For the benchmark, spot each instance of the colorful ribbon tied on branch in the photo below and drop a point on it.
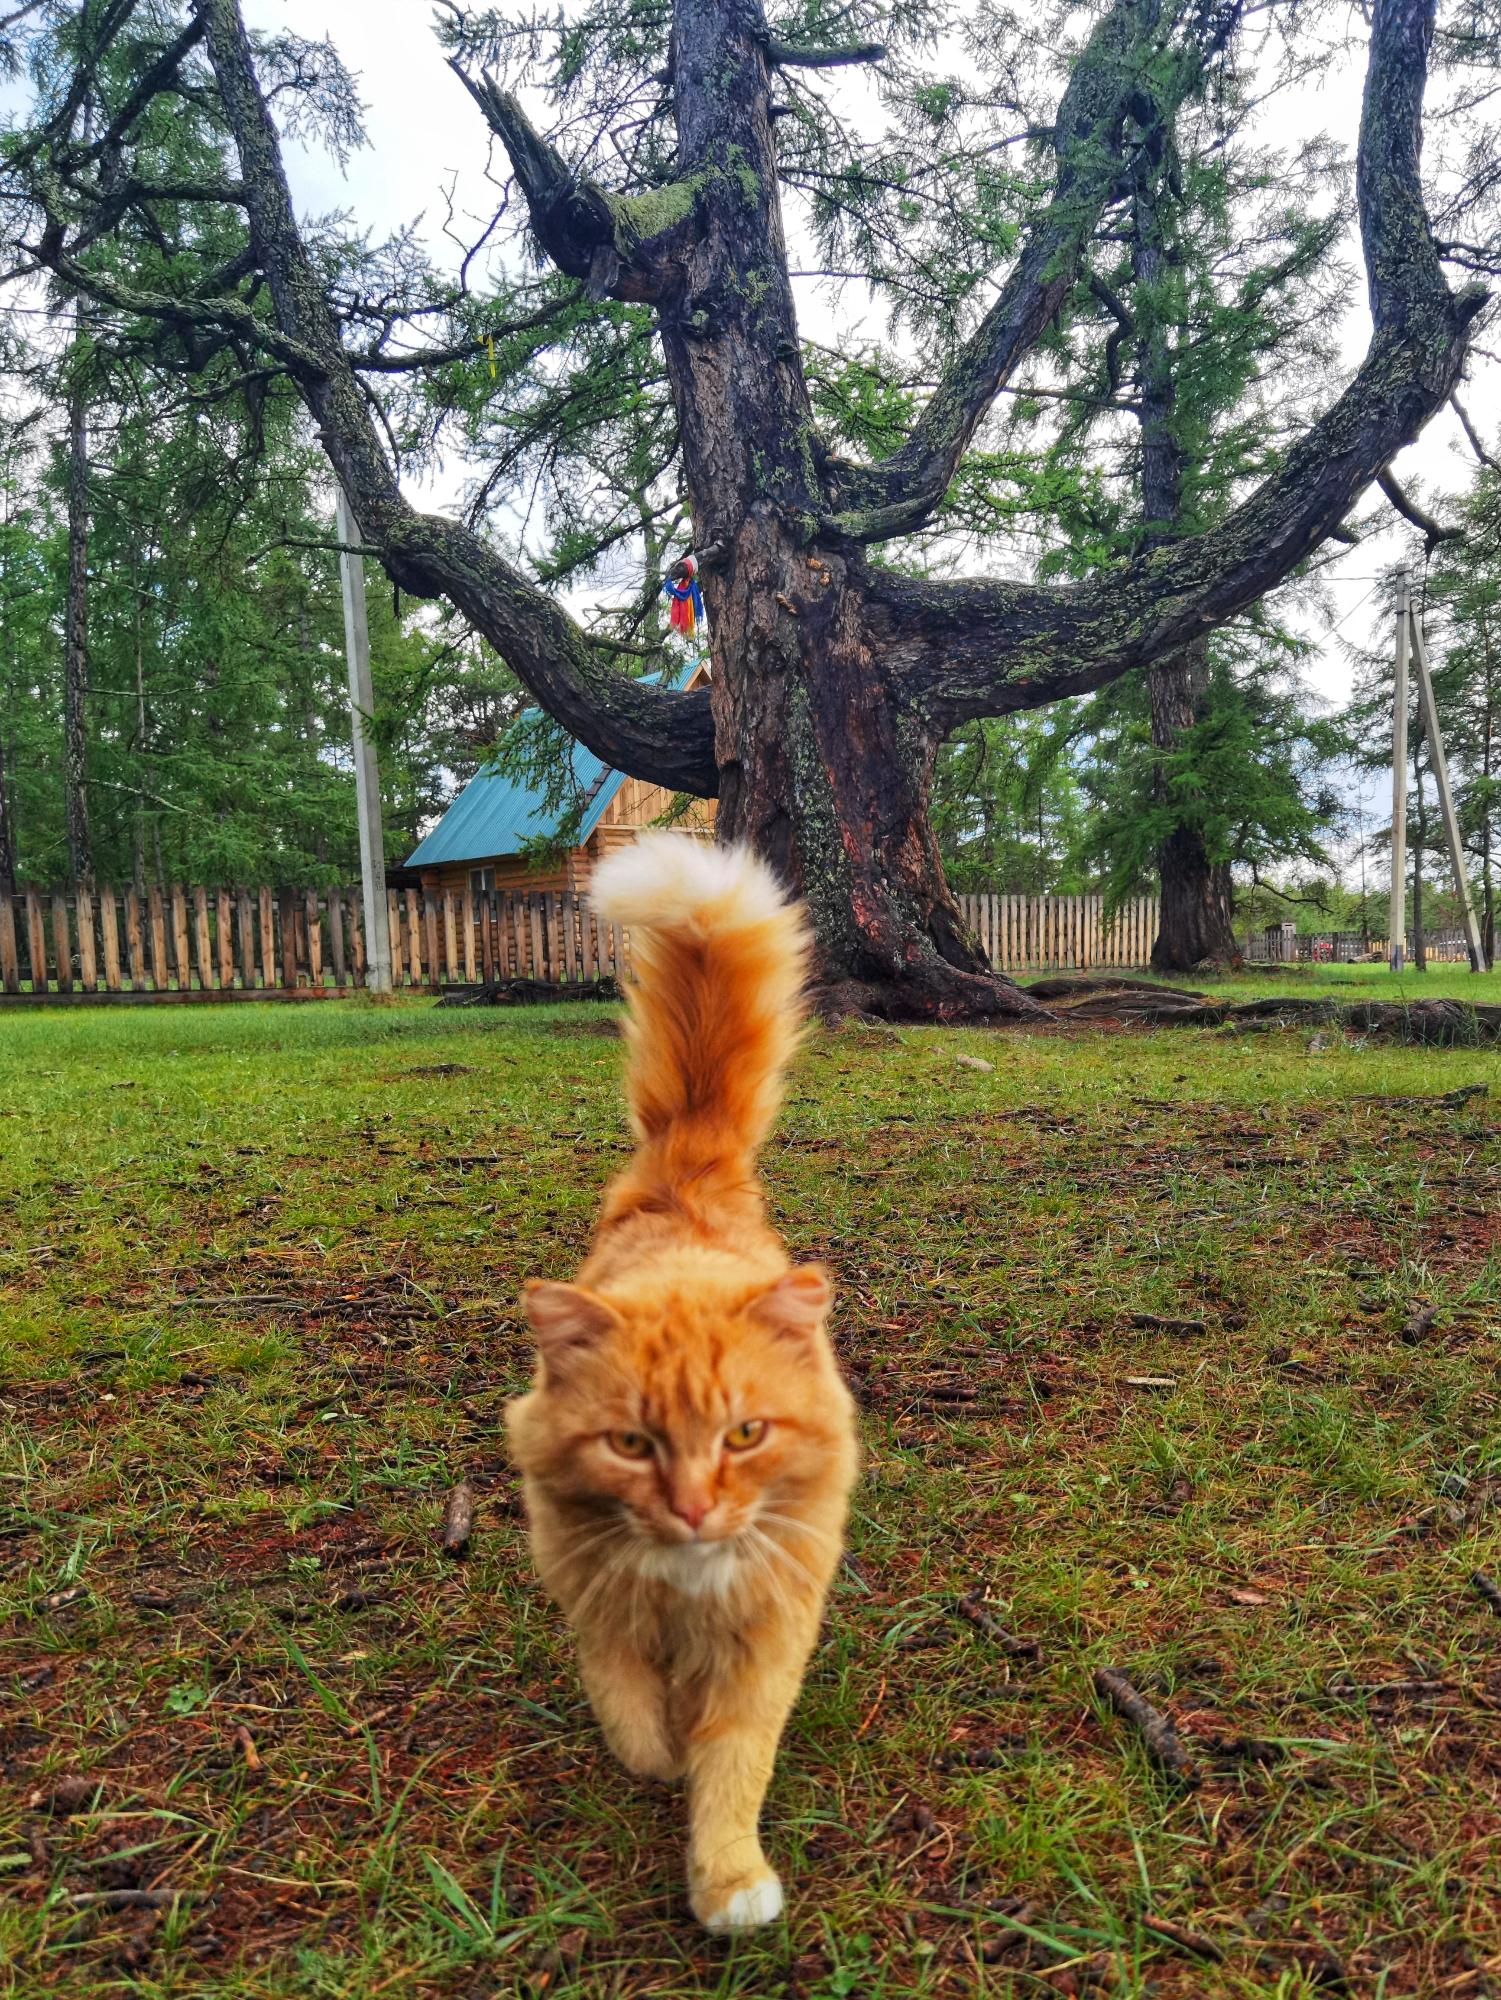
(687, 612)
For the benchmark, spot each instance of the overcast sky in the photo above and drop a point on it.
(425, 135)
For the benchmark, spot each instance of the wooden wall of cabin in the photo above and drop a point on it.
(637, 804)
(634, 806)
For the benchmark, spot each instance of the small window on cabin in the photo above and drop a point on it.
(481, 880)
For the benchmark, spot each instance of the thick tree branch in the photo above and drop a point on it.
(152, 81)
(663, 736)
(874, 503)
(1123, 330)
(970, 649)
(1433, 532)
(614, 242)
(783, 55)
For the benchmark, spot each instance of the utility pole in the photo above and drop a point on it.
(366, 768)
(1428, 712)
(1397, 923)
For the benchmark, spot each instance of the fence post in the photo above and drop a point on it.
(314, 938)
(393, 934)
(245, 920)
(203, 950)
(10, 962)
(357, 936)
(224, 940)
(336, 938)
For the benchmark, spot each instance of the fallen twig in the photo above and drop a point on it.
(232, 1301)
(59, 1600)
(244, 1742)
(979, 1614)
(1418, 1322)
(1157, 1323)
(1446, 1100)
(126, 1899)
(524, 992)
(1388, 1690)
(1159, 1732)
(1194, 1943)
(1489, 1589)
(458, 1520)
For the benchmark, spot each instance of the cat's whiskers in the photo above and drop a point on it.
(802, 1527)
(766, 1548)
(765, 1571)
(584, 1548)
(780, 1549)
(613, 1568)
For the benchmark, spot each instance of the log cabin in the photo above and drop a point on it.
(487, 837)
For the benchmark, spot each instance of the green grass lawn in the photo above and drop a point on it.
(1355, 982)
(1140, 1327)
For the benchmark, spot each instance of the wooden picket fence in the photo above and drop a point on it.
(183, 942)
(1060, 931)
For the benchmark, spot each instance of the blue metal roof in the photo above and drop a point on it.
(495, 814)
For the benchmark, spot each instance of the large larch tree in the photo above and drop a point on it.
(837, 672)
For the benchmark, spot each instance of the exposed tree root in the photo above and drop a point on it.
(1082, 985)
(1434, 1023)
(940, 995)
(934, 993)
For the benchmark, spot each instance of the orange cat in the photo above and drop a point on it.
(687, 1447)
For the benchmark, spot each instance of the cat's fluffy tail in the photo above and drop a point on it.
(720, 958)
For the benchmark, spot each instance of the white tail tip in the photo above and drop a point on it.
(668, 880)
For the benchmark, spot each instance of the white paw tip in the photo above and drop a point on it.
(761, 1903)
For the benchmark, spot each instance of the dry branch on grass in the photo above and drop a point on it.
(979, 1614)
(1194, 1944)
(1443, 1100)
(1158, 1323)
(1418, 1322)
(1158, 1731)
(531, 993)
(458, 1520)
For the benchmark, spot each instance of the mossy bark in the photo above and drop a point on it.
(1196, 923)
(76, 638)
(1196, 902)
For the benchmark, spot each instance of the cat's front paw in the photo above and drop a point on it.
(650, 1760)
(740, 1906)
(645, 1752)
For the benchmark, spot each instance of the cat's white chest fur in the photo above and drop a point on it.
(698, 1569)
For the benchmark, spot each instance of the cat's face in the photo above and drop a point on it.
(687, 1418)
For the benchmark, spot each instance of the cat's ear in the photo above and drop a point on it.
(566, 1318)
(797, 1302)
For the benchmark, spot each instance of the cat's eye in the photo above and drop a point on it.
(743, 1436)
(631, 1444)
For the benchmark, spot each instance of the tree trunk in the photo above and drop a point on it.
(138, 822)
(1197, 909)
(7, 829)
(76, 636)
(1420, 841)
(819, 774)
(1487, 760)
(821, 766)
(1195, 923)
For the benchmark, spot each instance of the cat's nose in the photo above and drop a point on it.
(689, 1507)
